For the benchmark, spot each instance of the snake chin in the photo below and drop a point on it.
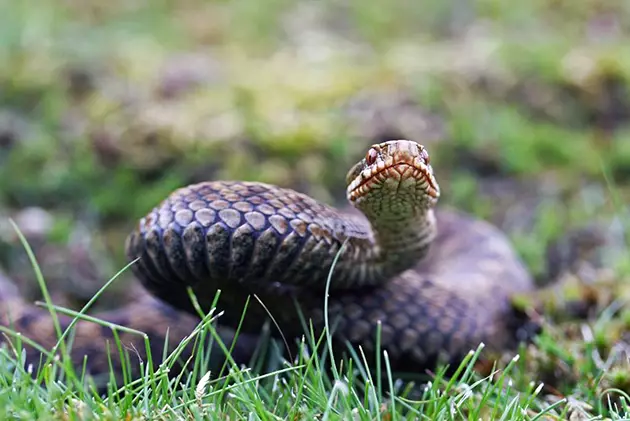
(397, 171)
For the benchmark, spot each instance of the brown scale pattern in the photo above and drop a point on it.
(165, 327)
(280, 244)
(244, 238)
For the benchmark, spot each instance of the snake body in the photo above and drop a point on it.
(435, 282)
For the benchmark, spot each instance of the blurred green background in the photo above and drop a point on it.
(105, 107)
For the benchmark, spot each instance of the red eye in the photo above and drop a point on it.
(425, 155)
(370, 158)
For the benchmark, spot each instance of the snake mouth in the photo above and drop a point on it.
(416, 170)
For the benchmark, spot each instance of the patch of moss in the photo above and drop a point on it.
(519, 144)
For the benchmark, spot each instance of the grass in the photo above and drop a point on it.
(301, 390)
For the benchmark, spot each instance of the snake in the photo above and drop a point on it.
(393, 272)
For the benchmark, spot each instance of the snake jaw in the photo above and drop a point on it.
(401, 162)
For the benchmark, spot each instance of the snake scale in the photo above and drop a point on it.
(437, 281)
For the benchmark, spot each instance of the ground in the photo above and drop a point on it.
(525, 108)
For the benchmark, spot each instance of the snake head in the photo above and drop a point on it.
(394, 176)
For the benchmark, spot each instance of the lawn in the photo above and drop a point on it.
(105, 108)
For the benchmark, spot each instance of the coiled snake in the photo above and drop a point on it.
(437, 281)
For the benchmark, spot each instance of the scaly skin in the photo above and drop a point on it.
(439, 282)
(162, 323)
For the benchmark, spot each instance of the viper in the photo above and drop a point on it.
(394, 272)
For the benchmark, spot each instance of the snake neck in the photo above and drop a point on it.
(401, 242)
(394, 245)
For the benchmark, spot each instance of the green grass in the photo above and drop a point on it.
(299, 391)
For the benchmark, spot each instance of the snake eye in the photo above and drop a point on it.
(370, 157)
(425, 155)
